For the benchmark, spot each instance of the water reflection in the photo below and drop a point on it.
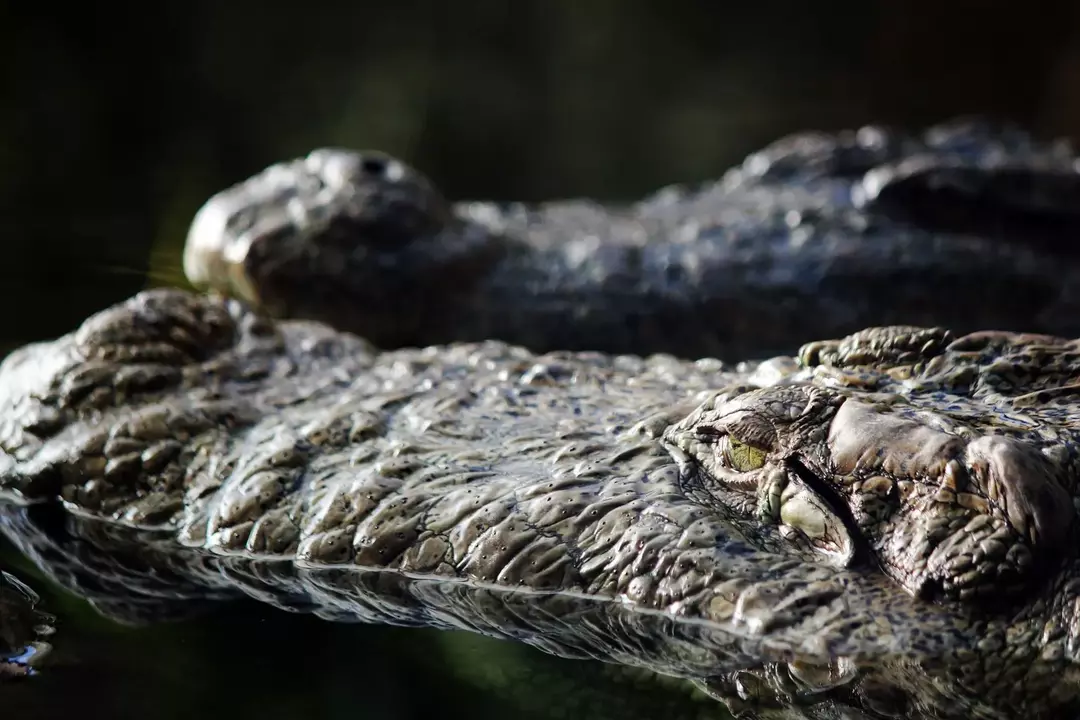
(248, 657)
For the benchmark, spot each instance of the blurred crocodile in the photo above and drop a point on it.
(969, 226)
(23, 629)
(883, 525)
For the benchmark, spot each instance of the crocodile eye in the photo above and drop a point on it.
(743, 457)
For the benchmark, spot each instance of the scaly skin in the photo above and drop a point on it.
(968, 226)
(956, 462)
(578, 502)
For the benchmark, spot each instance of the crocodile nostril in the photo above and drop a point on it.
(373, 165)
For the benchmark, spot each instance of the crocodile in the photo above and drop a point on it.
(883, 524)
(968, 225)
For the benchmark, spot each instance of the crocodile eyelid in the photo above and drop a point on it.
(709, 432)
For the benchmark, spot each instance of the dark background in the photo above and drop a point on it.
(120, 119)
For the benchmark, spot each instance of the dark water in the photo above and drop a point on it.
(246, 660)
(118, 125)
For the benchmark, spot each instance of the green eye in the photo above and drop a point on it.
(743, 457)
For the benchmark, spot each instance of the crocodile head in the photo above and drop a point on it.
(951, 504)
(322, 235)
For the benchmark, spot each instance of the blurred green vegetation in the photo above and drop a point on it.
(121, 118)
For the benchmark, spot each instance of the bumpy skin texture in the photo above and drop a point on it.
(963, 488)
(578, 502)
(968, 226)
